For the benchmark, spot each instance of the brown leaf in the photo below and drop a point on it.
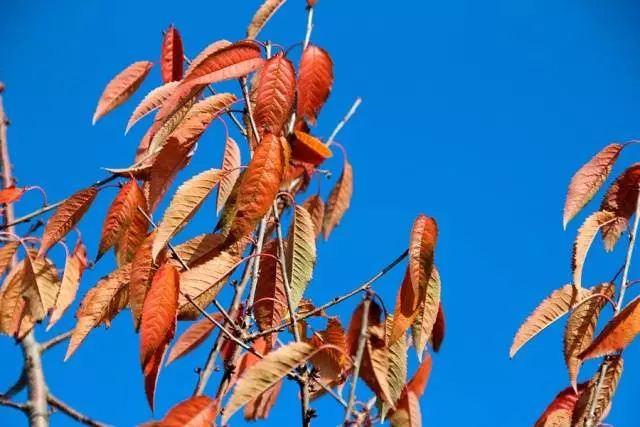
(355, 324)
(231, 163)
(7, 252)
(424, 322)
(122, 87)
(581, 326)
(270, 304)
(206, 53)
(374, 369)
(586, 233)
(617, 334)
(408, 412)
(601, 395)
(172, 58)
(259, 408)
(339, 200)
(551, 309)
(314, 82)
(186, 202)
(308, 149)
(73, 270)
(142, 272)
(198, 411)
(612, 231)
(192, 338)
(558, 413)
(330, 362)
(66, 217)
(588, 180)
(154, 100)
(621, 198)
(99, 305)
(397, 373)
(200, 248)
(275, 94)
(437, 334)
(265, 374)
(407, 304)
(418, 382)
(258, 187)
(122, 214)
(11, 194)
(300, 253)
(315, 206)
(262, 16)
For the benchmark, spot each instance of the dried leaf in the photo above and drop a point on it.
(142, 272)
(418, 382)
(73, 270)
(339, 200)
(621, 199)
(270, 304)
(330, 362)
(314, 82)
(551, 309)
(66, 217)
(586, 233)
(601, 395)
(308, 149)
(7, 252)
(151, 102)
(172, 58)
(259, 408)
(262, 16)
(558, 413)
(423, 324)
(265, 374)
(100, 304)
(617, 334)
(201, 248)
(11, 194)
(122, 87)
(437, 334)
(150, 372)
(198, 411)
(397, 374)
(231, 163)
(581, 326)
(258, 187)
(612, 231)
(186, 202)
(407, 305)
(355, 324)
(122, 214)
(274, 95)
(374, 369)
(192, 338)
(300, 253)
(315, 206)
(157, 136)
(408, 412)
(588, 180)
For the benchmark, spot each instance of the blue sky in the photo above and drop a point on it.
(476, 113)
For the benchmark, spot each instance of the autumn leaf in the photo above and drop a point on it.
(258, 187)
(142, 272)
(73, 269)
(186, 202)
(330, 362)
(588, 180)
(270, 304)
(122, 87)
(154, 100)
(374, 369)
(551, 309)
(560, 410)
(408, 412)
(612, 231)
(418, 382)
(7, 252)
(437, 334)
(355, 324)
(598, 395)
(407, 304)
(231, 163)
(581, 326)
(122, 214)
(617, 334)
(586, 233)
(201, 248)
(309, 149)
(300, 253)
(621, 198)
(172, 58)
(156, 137)
(66, 217)
(314, 82)
(192, 337)
(198, 411)
(339, 200)
(262, 16)
(259, 408)
(11, 194)
(397, 373)
(274, 94)
(315, 206)
(150, 371)
(265, 374)
(424, 323)
(100, 304)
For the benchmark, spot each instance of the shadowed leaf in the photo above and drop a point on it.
(231, 163)
(339, 200)
(586, 233)
(73, 269)
(192, 338)
(600, 395)
(151, 102)
(172, 57)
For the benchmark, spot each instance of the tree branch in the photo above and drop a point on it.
(4, 401)
(18, 386)
(63, 407)
(344, 120)
(362, 340)
(47, 345)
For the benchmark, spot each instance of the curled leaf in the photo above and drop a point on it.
(264, 13)
(309, 149)
(586, 233)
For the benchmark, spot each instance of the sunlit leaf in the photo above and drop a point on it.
(309, 149)
(408, 412)
(274, 95)
(314, 82)
(560, 410)
(621, 198)
(7, 252)
(206, 53)
(598, 395)
(315, 206)
(264, 13)
(300, 253)
(151, 102)
(192, 337)
(586, 233)
(73, 270)
(259, 408)
(11, 194)
(232, 58)
(231, 163)
(330, 362)
(198, 411)
(172, 58)
(339, 200)
(397, 374)
(424, 322)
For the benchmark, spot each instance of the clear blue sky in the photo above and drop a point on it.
(476, 113)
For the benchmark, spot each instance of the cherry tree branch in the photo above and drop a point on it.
(4, 401)
(362, 340)
(63, 407)
(47, 345)
(344, 121)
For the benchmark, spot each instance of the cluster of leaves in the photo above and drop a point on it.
(589, 402)
(162, 284)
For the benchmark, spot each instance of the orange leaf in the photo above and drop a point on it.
(122, 87)
(330, 362)
(424, 322)
(66, 217)
(259, 408)
(258, 187)
(617, 334)
(621, 199)
(407, 304)
(418, 383)
(274, 94)
(150, 372)
(559, 411)
(11, 194)
(172, 59)
(314, 82)
(422, 245)
(437, 335)
(270, 304)
(595, 400)
(73, 269)
(586, 233)
(588, 180)
(374, 369)
(308, 149)
(262, 16)
(206, 53)
(408, 412)
(315, 206)
(200, 248)
(355, 324)
(122, 213)
(339, 200)
(154, 100)
(192, 338)
(142, 272)
(233, 55)
(231, 171)
(7, 252)
(198, 411)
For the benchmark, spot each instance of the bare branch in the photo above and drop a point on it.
(19, 385)
(4, 401)
(344, 120)
(362, 340)
(63, 407)
(47, 345)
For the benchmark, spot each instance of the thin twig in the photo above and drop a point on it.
(10, 403)
(247, 100)
(362, 340)
(307, 36)
(47, 345)
(18, 386)
(63, 407)
(344, 120)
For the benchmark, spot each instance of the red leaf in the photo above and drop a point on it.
(150, 371)
(422, 247)
(275, 94)
(154, 100)
(621, 199)
(314, 82)
(172, 61)
(236, 60)
(561, 408)
(198, 411)
(270, 304)
(142, 272)
(308, 149)
(192, 338)
(11, 194)
(339, 200)
(419, 381)
(122, 87)
(231, 169)
(437, 335)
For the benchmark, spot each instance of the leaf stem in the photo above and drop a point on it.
(344, 121)
(366, 303)
(63, 407)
